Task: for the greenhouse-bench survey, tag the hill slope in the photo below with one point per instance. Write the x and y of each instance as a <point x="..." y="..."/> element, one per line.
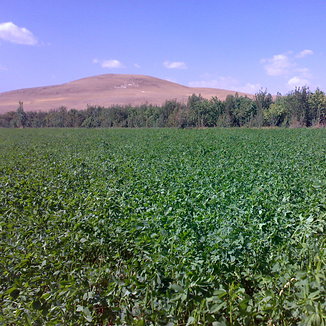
<point x="104" y="90"/>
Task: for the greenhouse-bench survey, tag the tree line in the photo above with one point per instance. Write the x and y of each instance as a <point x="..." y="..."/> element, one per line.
<point x="299" y="108"/>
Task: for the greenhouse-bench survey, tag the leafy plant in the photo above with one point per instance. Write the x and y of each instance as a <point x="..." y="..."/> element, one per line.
<point x="162" y="227"/>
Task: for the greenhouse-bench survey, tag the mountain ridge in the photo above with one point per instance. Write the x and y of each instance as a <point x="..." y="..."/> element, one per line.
<point x="105" y="90"/>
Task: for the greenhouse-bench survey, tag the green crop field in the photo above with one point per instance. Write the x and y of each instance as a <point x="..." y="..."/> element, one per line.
<point x="162" y="227"/>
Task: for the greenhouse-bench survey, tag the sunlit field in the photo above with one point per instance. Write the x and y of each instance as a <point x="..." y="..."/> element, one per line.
<point x="162" y="226"/>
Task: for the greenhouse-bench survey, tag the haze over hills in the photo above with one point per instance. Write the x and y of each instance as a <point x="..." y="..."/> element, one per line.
<point x="105" y="90"/>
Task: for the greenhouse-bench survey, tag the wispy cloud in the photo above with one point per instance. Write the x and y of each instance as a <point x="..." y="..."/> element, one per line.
<point x="250" y="88"/>
<point x="20" y="35"/>
<point x="304" y="53"/>
<point x="175" y="65"/>
<point x="227" y="82"/>
<point x="304" y="72"/>
<point x="110" y="64"/>
<point x="136" y="65"/>
<point x="3" y="68"/>
<point x="278" y="65"/>
<point x="297" y="81"/>
<point x="288" y="67"/>
<point x="219" y="82"/>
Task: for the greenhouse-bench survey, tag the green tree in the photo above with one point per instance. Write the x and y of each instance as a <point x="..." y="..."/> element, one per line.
<point x="317" y="103"/>
<point x="244" y="110"/>
<point x="298" y="106"/>
<point x="21" y="117"/>
<point x="239" y="110"/>
<point x="277" y="114"/>
<point x="263" y="101"/>
<point x="228" y="118"/>
<point x="195" y="110"/>
<point x="214" y="112"/>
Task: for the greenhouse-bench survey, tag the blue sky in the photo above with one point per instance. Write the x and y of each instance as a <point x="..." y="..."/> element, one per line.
<point x="232" y="44"/>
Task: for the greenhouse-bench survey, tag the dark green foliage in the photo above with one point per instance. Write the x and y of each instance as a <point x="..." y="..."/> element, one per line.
<point x="162" y="227"/>
<point x="21" y="116"/>
<point x="278" y="114"/>
<point x="300" y="108"/>
<point x="317" y="104"/>
<point x="263" y="101"/>
<point x="241" y="110"/>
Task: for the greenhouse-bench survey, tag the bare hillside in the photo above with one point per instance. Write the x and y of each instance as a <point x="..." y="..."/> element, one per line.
<point x="104" y="90"/>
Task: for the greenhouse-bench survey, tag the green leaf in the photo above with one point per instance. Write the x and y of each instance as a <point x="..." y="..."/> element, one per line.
<point x="217" y="307"/>
<point x="80" y="308"/>
<point x="191" y="321"/>
<point x="176" y="288"/>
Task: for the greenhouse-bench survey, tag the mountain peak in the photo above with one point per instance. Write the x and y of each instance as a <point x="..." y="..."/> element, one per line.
<point x="104" y="90"/>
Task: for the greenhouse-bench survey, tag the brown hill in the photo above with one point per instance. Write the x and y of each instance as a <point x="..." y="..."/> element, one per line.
<point x="104" y="90"/>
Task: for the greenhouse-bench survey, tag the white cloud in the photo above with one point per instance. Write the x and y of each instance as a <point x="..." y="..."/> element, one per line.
<point x="136" y="65"/>
<point x="175" y="65"/>
<point x="297" y="82"/>
<point x="249" y="88"/>
<point x="227" y="82"/>
<point x="15" y="34"/>
<point x="111" y="64"/>
<point x="278" y="65"/>
<point x="304" y="72"/>
<point x="220" y="82"/>
<point x="3" y="68"/>
<point x="288" y="68"/>
<point x="304" y="53"/>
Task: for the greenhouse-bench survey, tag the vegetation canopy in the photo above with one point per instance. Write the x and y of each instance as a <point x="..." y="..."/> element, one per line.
<point x="163" y="226"/>
<point x="299" y="108"/>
